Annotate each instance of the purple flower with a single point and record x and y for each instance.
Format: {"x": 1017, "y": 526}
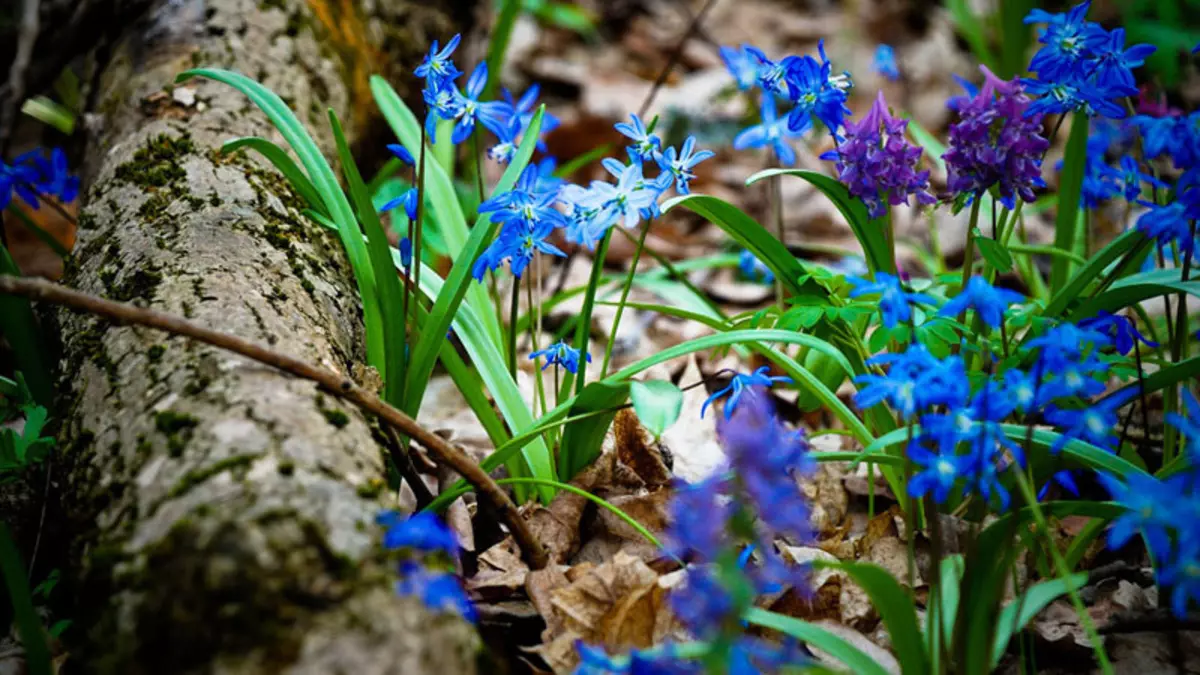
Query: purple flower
{"x": 699, "y": 519}
{"x": 995, "y": 143}
{"x": 878, "y": 164}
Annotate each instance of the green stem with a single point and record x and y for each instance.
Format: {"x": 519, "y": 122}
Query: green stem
{"x": 612, "y": 338}
{"x": 533, "y": 336}
{"x": 1179, "y": 349}
{"x": 1060, "y": 566}
{"x": 584, "y": 327}
{"x": 776, "y": 188}
{"x": 935, "y": 243}
{"x": 969, "y": 250}
{"x": 512, "y": 328}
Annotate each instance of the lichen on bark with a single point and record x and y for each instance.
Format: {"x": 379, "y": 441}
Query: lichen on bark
{"x": 223, "y": 516}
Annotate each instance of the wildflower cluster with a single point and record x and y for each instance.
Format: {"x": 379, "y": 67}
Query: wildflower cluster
{"x": 1081, "y": 66}
{"x": 806, "y": 84}
{"x": 540, "y": 205}
{"x": 36, "y": 175}
{"x": 430, "y": 544}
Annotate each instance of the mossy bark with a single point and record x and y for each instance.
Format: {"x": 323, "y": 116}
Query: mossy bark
{"x": 220, "y": 521}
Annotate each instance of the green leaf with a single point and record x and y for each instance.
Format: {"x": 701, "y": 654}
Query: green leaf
{"x": 492, "y": 369}
{"x": 286, "y": 165}
{"x": 971, "y": 29}
{"x": 501, "y": 33}
{"x": 1185, "y": 371}
{"x": 50, "y": 112}
{"x": 870, "y": 234}
{"x": 581, "y": 440}
{"x": 1095, "y": 267}
{"x": 583, "y": 326}
{"x": 459, "y": 283}
{"x": 1134, "y": 289}
{"x": 1069, "y": 187}
{"x": 895, "y": 607}
{"x": 1015, "y": 36}
{"x": 994, "y": 252}
{"x": 657, "y": 404}
{"x": 1032, "y": 601}
{"x": 29, "y": 624}
{"x": 849, "y": 655}
{"x": 387, "y": 283}
{"x": 20, "y": 327}
{"x": 439, "y": 188}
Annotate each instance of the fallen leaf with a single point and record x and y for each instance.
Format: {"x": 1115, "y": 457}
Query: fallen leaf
{"x": 693, "y": 440}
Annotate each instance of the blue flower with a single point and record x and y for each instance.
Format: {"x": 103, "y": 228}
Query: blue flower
{"x": 423, "y": 531}
{"x": 525, "y": 203}
{"x": 437, "y": 68}
{"x": 1095, "y": 423}
{"x": 645, "y": 145}
{"x": 1062, "y": 478}
{"x": 1147, "y": 501}
{"x": 753, "y": 268}
{"x": 741, "y": 64}
{"x": 401, "y": 153}
{"x": 1022, "y": 388}
{"x": 1121, "y": 329}
{"x": 520, "y": 113}
{"x": 894, "y": 302}
{"x": 561, "y": 354}
{"x": 898, "y": 388}
{"x": 739, "y": 384}
{"x": 517, "y": 243}
{"x": 405, "y": 252}
{"x": 506, "y": 142}
{"x": 773, "y": 131}
{"x": 679, "y": 164}
{"x": 1063, "y": 97}
{"x": 770, "y": 73}
{"x": 941, "y": 470}
{"x": 1181, "y": 574}
{"x": 439, "y": 591}
{"x": 698, "y": 519}
{"x": 468, "y": 109}
{"x": 1131, "y": 178}
{"x": 703, "y": 605}
{"x": 1067, "y": 40}
{"x": 1169, "y": 224}
{"x": 989, "y": 302}
{"x": 408, "y": 200}
{"x": 1188, "y": 425}
{"x": 885, "y": 62}
{"x": 1112, "y": 62}
{"x": 624, "y": 202}
{"x": 442, "y": 102}
{"x": 32, "y": 176}
{"x": 816, "y": 92}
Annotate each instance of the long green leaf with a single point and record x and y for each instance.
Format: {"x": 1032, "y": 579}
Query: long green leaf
{"x": 498, "y": 44}
{"x": 896, "y": 608}
{"x": 20, "y": 327}
{"x": 1032, "y": 601}
{"x": 971, "y": 29}
{"x": 581, "y": 440}
{"x": 460, "y": 282}
{"x": 440, "y": 190}
{"x": 1185, "y": 371}
{"x": 1134, "y": 289}
{"x": 1015, "y": 35}
{"x": 326, "y": 184}
{"x": 387, "y": 282}
{"x": 854, "y": 658}
{"x": 869, "y": 233}
{"x": 1069, "y": 187}
{"x": 486, "y": 356}
{"x": 286, "y": 166}
{"x": 29, "y": 625}
{"x": 1062, "y": 298}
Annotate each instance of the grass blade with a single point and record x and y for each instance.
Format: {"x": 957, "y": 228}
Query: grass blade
{"x": 285, "y": 164}
{"x": 854, "y": 658}
{"x": 1069, "y": 187}
{"x": 895, "y": 608}
{"x": 29, "y": 626}
{"x": 19, "y": 325}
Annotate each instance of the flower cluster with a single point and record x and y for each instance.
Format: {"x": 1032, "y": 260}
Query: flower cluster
{"x": 36, "y": 175}
{"x": 1165, "y": 511}
{"x": 995, "y": 144}
{"x": 895, "y": 302}
{"x": 877, "y": 164}
{"x": 424, "y": 534}
{"x": 561, "y": 354}
{"x": 809, "y": 86}
{"x": 1081, "y": 66}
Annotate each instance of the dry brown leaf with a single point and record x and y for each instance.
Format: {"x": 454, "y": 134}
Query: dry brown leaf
{"x": 501, "y": 572}
{"x": 538, "y": 586}
{"x": 609, "y": 534}
{"x": 636, "y": 450}
{"x": 826, "y": 492}
{"x": 693, "y": 441}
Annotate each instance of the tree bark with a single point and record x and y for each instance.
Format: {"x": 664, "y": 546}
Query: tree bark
{"x": 223, "y": 511}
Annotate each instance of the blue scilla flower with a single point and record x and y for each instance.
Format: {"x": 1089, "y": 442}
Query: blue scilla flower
{"x": 17, "y": 179}
{"x": 468, "y": 109}
{"x": 561, "y": 354}
{"x": 898, "y": 388}
{"x": 772, "y": 132}
{"x": 1170, "y": 224}
{"x": 816, "y": 92}
{"x": 1149, "y": 509}
{"x": 1129, "y": 176}
{"x": 505, "y": 147}
{"x": 1181, "y": 574}
{"x": 439, "y": 591}
{"x": 1122, "y": 330}
{"x": 645, "y": 144}
{"x": 1067, "y": 41}
{"x": 625, "y": 201}
{"x": 739, "y": 385}
{"x": 437, "y": 68}
{"x": 401, "y": 153}
{"x": 527, "y": 202}
{"x": 518, "y": 242}
{"x": 422, "y": 532}
{"x": 1063, "y": 478}
{"x": 408, "y": 200}
{"x": 406, "y": 252}
{"x": 766, "y": 457}
{"x": 885, "y": 62}
{"x": 770, "y": 74}
{"x": 989, "y": 302}
{"x": 679, "y": 163}
{"x": 1095, "y": 423}
{"x": 1112, "y": 62}
{"x": 519, "y": 112}
{"x": 895, "y": 303}
{"x": 940, "y": 471}
{"x": 753, "y": 268}
{"x": 442, "y": 102}
{"x": 1074, "y": 95}
{"x": 37, "y": 174}
{"x": 741, "y": 64}
{"x": 1022, "y": 388}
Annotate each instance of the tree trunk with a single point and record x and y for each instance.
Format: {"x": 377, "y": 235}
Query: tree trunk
{"x": 222, "y": 511}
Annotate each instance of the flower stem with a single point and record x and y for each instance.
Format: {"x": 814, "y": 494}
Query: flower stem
{"x": 776, "y": 189}
{"x": 512, "y": 328}
{"x": 1060, "y": 566}
{"x": 1179, "y": 349}
{"x": 416, "y": 240}
{"x": 612, "y": 338}
{"x": 534, "y": 329}
{"x": 969, "y": 250}
{"x": 478, "y": 162}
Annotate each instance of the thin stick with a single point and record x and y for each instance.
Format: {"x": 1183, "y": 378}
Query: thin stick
{"x": 674, "y": 57}
{"x": 27, "y": 36}
{"x": 334, "y": 383}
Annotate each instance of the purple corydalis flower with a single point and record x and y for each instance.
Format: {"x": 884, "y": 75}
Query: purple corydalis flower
{"x": 878, "y": 165}
{"x": 995, "y": 143}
